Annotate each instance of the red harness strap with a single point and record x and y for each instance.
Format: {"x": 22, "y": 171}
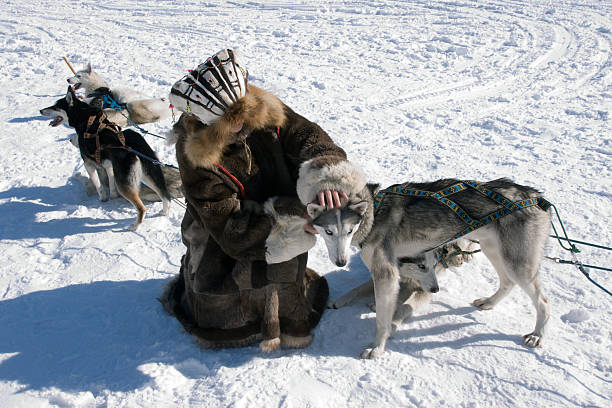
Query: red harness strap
{"x": 234, "y": 179}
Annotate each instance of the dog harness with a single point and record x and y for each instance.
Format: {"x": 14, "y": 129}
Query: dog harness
{"x": 97, "y": 123}
{"x": 108, "y": 102}
{"x": 508, "y": 206}
{"x": 443, "y": 254}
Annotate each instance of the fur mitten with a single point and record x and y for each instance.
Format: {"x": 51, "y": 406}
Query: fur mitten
{"x": 288, "y": 238}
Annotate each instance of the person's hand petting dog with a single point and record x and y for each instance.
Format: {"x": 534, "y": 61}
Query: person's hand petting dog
{"x": 327, "y": 198}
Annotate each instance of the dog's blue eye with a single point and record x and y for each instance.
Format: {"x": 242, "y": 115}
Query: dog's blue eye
{"x": 328, "y": 232}
{"x": 349, "y": 231}
{"x": 421, "y": 266}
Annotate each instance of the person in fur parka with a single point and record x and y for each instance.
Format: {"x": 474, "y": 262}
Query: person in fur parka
{"x": 248, "y": 174}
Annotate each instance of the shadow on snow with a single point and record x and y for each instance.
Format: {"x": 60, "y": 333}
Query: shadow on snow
{"x": 93, "y": 337}
{"x": 25, "y": 204}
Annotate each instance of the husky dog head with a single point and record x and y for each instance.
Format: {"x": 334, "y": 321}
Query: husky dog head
{"x": 69, "y": 110}
{"x": 337, "y": 227}
{"x": 57, "y": 111}
{"x": 87, "y": 79}
{"x": 422, "y": 269}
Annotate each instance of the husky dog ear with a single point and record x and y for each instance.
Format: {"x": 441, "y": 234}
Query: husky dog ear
{"x": 70, "y": 96}
{"x": 88, "y": 68}
{"x": 314, "y": 210}
{"x": 373, "y": 187}
{"x": 360, "y": 208}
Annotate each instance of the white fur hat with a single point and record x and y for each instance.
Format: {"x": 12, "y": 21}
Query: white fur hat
{"x": 211, "y": 88}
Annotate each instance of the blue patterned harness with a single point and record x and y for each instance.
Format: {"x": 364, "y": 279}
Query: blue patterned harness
{"x": 508, "y": 206}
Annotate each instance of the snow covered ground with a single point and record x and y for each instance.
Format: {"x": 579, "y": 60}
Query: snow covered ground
{"x": 412, "y": 90}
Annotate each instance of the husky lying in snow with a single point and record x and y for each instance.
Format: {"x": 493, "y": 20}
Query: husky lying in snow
{"x": 398, "y": 242}
{"x": 135, "y": 106}
{"x": 100, "y": 150}
{"x": 416, "y": 287}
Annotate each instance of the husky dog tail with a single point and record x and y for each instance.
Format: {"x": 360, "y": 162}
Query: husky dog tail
{"x": 152, "y": 174}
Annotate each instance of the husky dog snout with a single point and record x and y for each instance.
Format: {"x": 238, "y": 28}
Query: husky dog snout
{"x": 337, "y": 227}
{"x": 422, "y": 269}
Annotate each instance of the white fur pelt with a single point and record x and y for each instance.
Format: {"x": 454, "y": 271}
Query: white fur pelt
{"x": 288, "y": 238}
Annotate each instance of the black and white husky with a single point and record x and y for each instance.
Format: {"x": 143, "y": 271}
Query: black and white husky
{"x": 134, "y": 105}
{"x": 102, "y": 152}
{"x": 399, "y": 241}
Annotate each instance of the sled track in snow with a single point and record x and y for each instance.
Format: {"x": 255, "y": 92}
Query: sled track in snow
{"x": 412, "y": 90}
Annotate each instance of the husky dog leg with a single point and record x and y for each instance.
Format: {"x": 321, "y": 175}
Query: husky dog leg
{"x": 385, "y": 292}
{"x": 408, "y": 302}
{"x": 131, "y": 194}
{"x": 160, "y": 191}
{"x": 386, "y": 288}
{"x": 507, "y": 280}
{"x": 516, "y": 260}
{"x": 128, "y": 178}
{"x": 540, "y": 302}
{"x": 112, "y": 186}
{"x": 362, "y": 290}
{"x": 529, "y": 279}
{"x": 491, "y": 250}
{"x": 95, "y": 180}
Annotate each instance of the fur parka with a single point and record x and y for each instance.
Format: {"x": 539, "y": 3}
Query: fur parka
{"x": 244, "y": 276}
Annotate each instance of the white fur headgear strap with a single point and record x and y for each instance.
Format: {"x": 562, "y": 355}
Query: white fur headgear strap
{"x": 211, "y": 88}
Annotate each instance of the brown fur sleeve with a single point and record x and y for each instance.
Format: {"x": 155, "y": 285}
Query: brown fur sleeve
{"x": 303, "y": 140}
{"x": 319, "y": 162}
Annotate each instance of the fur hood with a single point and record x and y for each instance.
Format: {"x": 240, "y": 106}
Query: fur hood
{"x": 204, "y": 145}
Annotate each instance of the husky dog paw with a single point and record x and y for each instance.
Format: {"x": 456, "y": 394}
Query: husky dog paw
{"x": 270, "y": 345}
{"x": 483, "y": 304}
{"x": 467, "y": 257}
{"x": 331, "y": 304}
{"x": 134, "y": 227}
{"x": 457, "y": 260}
{"x": 103, "y": 196}
{"x": 371, "y": 353}
{"x": 165, "y": 211}
{"x": 114, "y": 194}
{"x": 532, "y": 340}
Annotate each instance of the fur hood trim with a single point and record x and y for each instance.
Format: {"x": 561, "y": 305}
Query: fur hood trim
{"x": 328, "y": 173}
{"x": 204, "y": 145}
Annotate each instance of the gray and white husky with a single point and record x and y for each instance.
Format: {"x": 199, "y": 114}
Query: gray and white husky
{"x": 398, "y": 246}
{"x": 418, "y": 278}
{"x": 135, "y": 105}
